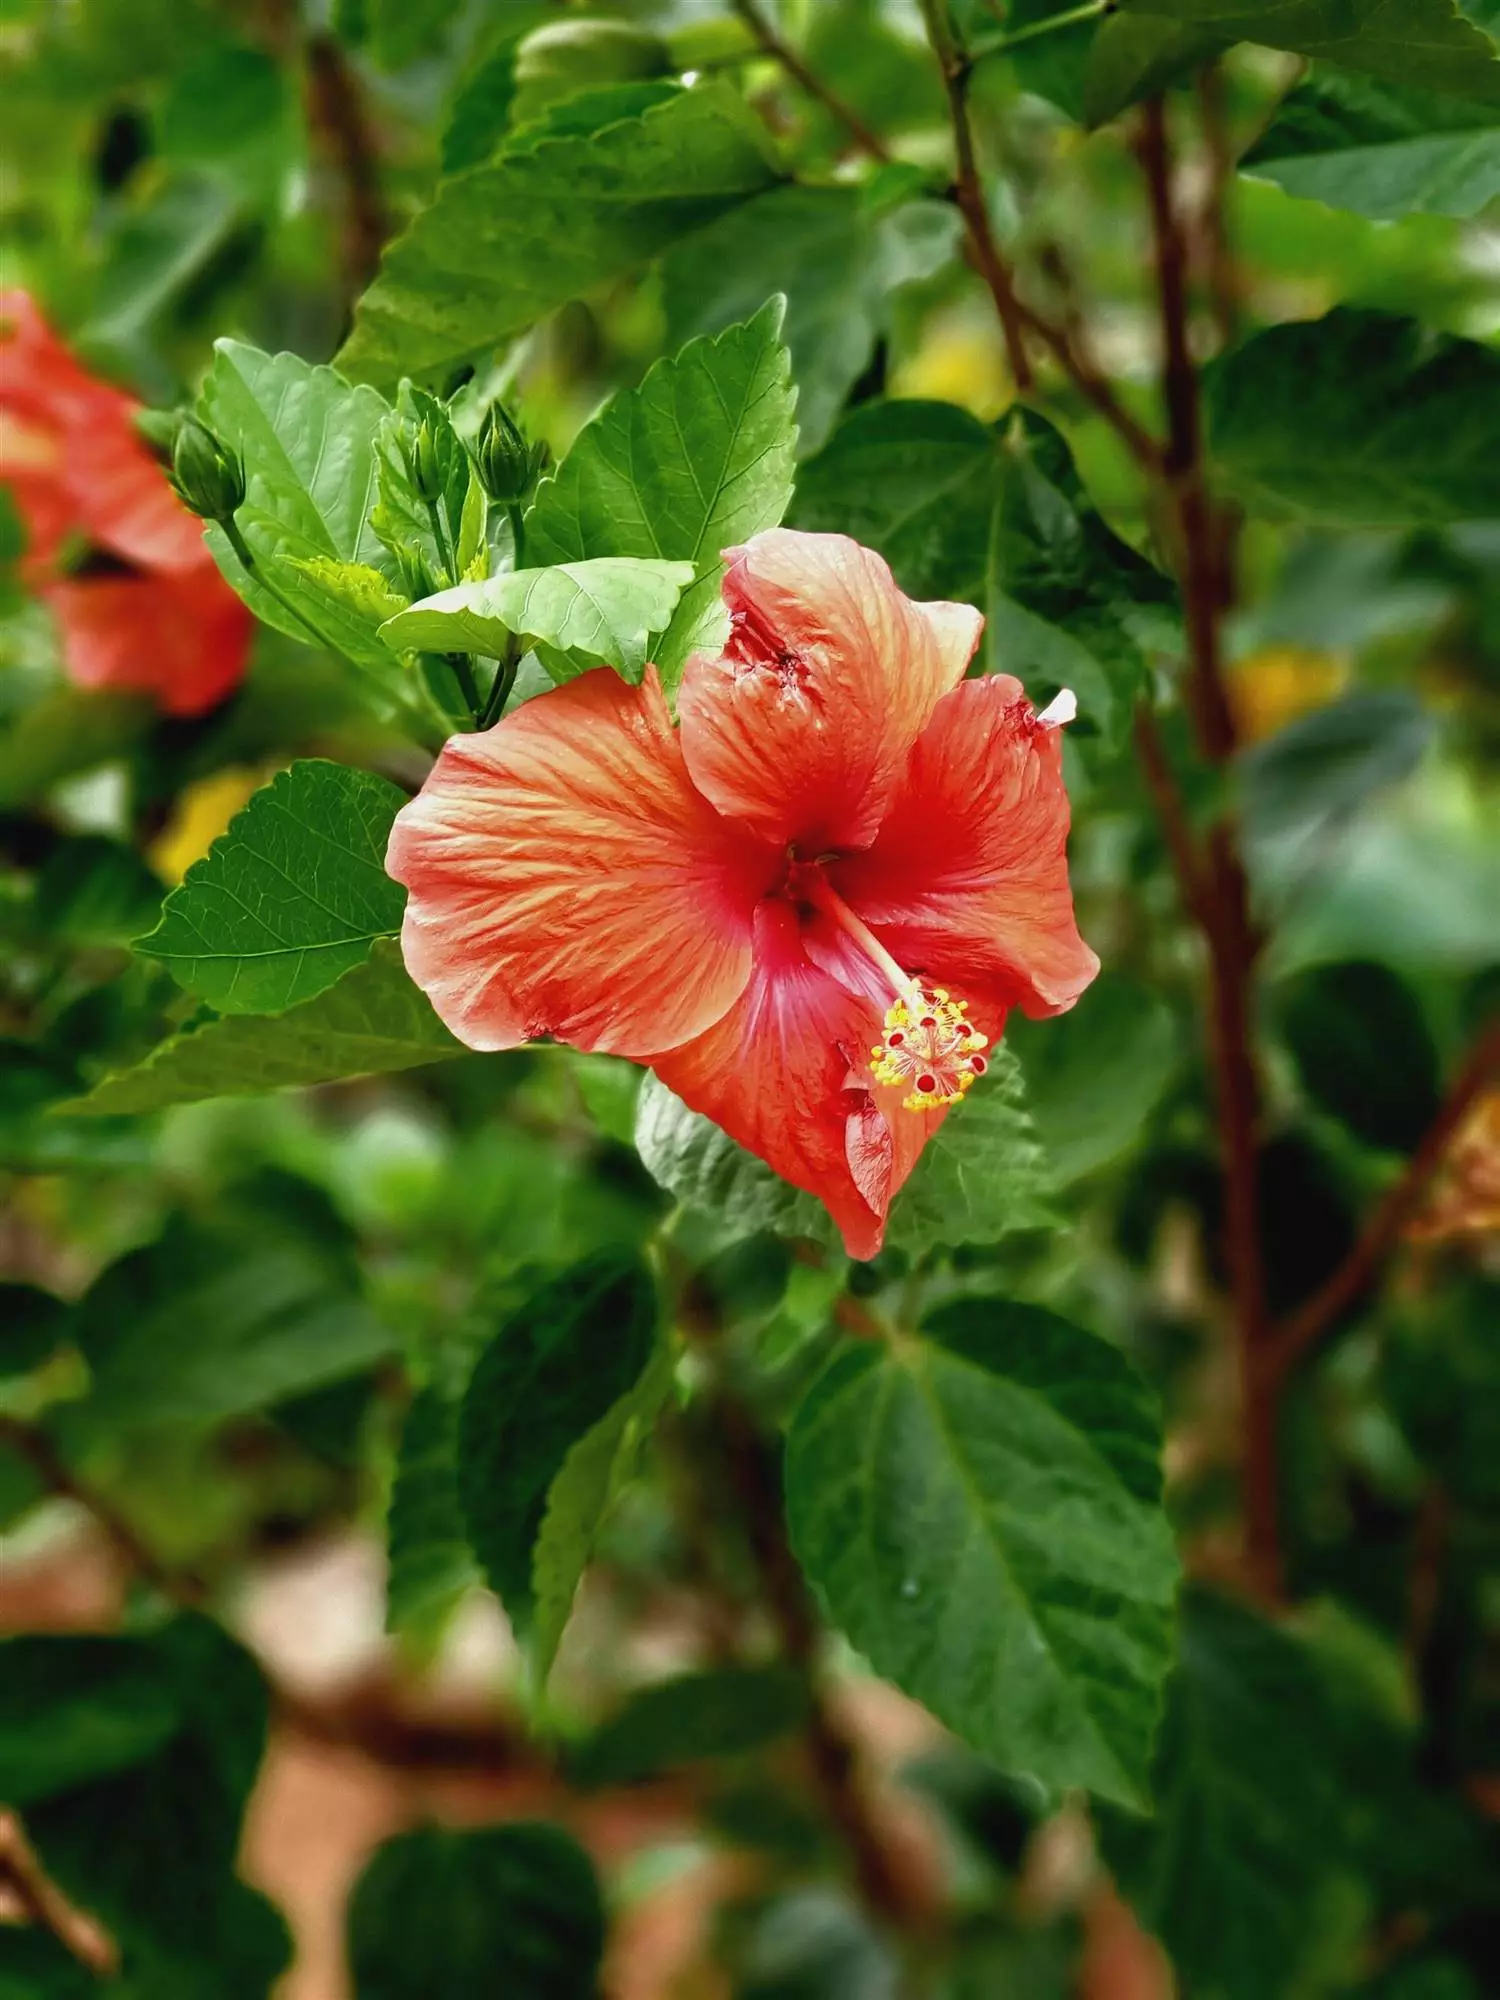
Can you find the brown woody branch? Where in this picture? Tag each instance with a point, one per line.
(1300, 1334)
(782, 52)
(39, 1901)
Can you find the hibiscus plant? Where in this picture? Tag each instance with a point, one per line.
(751, 1105)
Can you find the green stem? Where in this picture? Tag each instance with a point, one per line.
(1002, 44)
(468, 687)
(504, 681)
(518, 536)
(444, 546)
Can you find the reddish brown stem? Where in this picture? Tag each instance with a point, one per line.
(1315, 1319)
(339, 122)
(782, 52)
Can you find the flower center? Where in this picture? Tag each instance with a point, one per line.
(929, 1047)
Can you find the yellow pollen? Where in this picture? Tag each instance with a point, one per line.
(930, 1048)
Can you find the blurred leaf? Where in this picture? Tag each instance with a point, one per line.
(66, 732)
(1095, 1074)
(33, 1324)
(562, 59)
(34, 1966)
(209, 1323)
(1135, 56)
(695, 460)
(834, 257)
(1358, 419)
(1363, 1051)
(583, 1490)
(1230, 1872)
(810, 1945)
(74, 1708)
(290, 898)
(1379, 149)
(504, 243)
(157, 247)
(307, 440)
(720, 1712)
(430, 1563)
(470, 1916)
(1324, 766)
(551, 1372)
(95, 891)
(402, 30)
(983, 1173)
(914, 480)
(582, 613)
(979, 1507)
(374, 1020)
(1441, 1373)
(1427, 44)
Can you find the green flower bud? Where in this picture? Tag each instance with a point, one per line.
(159, 429)
(425, 469)
(508, 465)
(417, 579)
(206, 476)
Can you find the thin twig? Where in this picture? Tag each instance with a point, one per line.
(782, 52)
(1317, 1317)
(1219, 265)
(44, 1904)
(338, 120)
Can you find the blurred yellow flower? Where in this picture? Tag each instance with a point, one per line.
(202, 813)
(959, 361)
(1273, 686)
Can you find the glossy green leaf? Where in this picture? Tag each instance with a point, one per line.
(584, 1489)
(983, 1173)
(583, 613)
(702, 1166)
(720, 1712)
(290, 898)
(374, 1020)
(306, 438)
(1423, 44)
(551, 1372)
(696, 459)
(1380, 150)
(550, 217)
(914, 480)
(1229, 1872)
(834, 257)
(979, 1509)
(469, 1915)
(78, 1707)
(207, 1324)
(1095, 1074)
(1361, 419)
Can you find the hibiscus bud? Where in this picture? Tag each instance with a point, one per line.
(426, 472)
(508, 465)
(205, 475)
(417, 579)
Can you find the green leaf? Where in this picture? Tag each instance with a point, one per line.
(582, 613)
(1095, 1074)
(811, 1945)
(75, 1708)
(702, 1166)
(95, 891)
(1230, 1871)
(551, 1372)
(583, 1490)
(33, 1324)
(1324, 766)
(1441, 1378)
(1379, 149)
(1363, 1051)
(403, 520)
(290, 898)
(915, 481)
(979, 1508)
(306, 438)
(1420, 44)
(1361, 419)
(836, 259)
(983, 1173)
(212, 1322)
(69, 731)
(1135, 56)
(34, 1966)
(374, 1020)
(1069, 603)
(696, 459)
(504, 243)
(508, 1909)
(430, 1562)
(720, 1712)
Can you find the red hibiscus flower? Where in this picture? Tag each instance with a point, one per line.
(808, 908)
(119, 559)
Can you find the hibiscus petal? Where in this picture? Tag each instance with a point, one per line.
(183, 640)
(567, 880)
(967, 881)
(804, 723)
(780, 1074)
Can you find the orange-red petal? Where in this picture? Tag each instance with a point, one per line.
(781, 1074)
(567, 880)
(967, 881)
(804, 723)
(183, 640)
